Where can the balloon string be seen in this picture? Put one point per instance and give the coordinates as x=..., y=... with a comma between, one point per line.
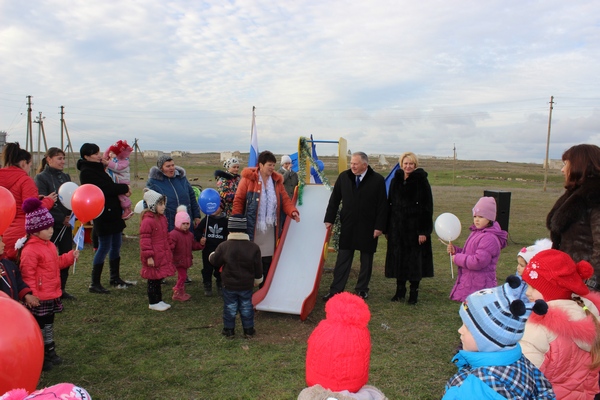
x=440, y=239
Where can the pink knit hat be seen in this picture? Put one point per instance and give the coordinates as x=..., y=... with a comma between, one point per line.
x=339, y=349
x=182, y=216
x=37, y=217
x=60, y=391
x=486, y=208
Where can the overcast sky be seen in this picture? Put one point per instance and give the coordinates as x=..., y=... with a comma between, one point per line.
x=389, y=76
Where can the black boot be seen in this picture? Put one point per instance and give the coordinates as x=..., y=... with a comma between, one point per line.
x=50, y=354
x=249, y=332
x=229, y=333
x=115, y=277
x=208, y=292
x=414, y=292
x=400, y=291
x=64, y=274
x=95, y=286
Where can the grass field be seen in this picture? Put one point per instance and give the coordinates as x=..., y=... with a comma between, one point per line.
x=117, y=349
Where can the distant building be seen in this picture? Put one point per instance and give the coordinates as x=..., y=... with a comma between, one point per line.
x=382, y=161
x=553, y=164
x=177, y=153
x=226, y=155
x=153, y=153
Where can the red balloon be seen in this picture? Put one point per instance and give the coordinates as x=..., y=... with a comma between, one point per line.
x=21, y=347
x=8, y=209
x=87, y=202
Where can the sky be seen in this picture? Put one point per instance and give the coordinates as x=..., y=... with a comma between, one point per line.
x=388, y=76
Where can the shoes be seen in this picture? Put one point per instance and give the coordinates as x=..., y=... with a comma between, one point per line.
x=229, y=333
x=249, y=332
x=67, y=296
x=328, y=296
x=208, y=292
x=98, y=289
x=180, y=295
x=188, y=280
x=121, y=284
x=127, y=213
x=54, y=358
x=47, y=366
x=362, y=294
x=160, y=306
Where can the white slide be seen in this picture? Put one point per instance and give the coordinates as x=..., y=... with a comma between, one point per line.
x=298, y=260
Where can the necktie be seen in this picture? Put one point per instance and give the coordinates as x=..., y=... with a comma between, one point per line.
x=357, y=180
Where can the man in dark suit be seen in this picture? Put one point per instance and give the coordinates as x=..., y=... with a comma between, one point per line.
x=363, y=217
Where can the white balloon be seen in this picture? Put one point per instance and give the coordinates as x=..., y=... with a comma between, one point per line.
x=65, y=193
x=447, y=226
x=139, y=207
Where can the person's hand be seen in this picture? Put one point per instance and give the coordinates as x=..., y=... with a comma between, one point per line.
x=151, y=262
x=31, y=300
x=422, y=239
x=196, y=222
x=76, y=254
x=296, y=216
x=67, y=220
x=104, y=161
x=203, y=241
x=52, y=195
x=128, y=194
x=450, y=249
x=328, y=225
x=376, y=233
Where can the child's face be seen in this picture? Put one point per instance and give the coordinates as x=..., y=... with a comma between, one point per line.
x=160, y=207
x=1, y=246
x=533, y=294
x=46, y=234
x=218, y=212
x=480, y=222
x=521, y=264
x=185, y=226
x=467, y=339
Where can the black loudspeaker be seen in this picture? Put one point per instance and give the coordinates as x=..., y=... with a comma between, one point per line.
x=502, y=206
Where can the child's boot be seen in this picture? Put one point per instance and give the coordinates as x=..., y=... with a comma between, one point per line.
x=127, y=213
x=229, y=333
x=208, y=290
x=185, y=295
x=249, y=332
x=50, y=354
x=178, y=295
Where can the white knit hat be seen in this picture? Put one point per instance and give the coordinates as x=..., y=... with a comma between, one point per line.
x=151, y=198
x=527, y=253
x=285, y=159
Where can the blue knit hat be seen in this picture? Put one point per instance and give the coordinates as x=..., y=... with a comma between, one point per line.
x=496, y=317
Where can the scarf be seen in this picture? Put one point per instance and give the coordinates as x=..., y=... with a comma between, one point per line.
x=267, y=206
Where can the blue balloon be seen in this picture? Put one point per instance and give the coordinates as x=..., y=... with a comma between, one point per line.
x=209, y=201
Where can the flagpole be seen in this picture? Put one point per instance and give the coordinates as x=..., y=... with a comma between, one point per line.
x=253, y=154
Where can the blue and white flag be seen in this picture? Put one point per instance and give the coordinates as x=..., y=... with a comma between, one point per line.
x=253, y=157
x=72, y=221
x=388, y=179
x=79, y=238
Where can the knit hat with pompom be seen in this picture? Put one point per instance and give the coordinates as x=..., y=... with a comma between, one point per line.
x=37, y=217
x=182, y=216
x=339, y=349
x=527, y=253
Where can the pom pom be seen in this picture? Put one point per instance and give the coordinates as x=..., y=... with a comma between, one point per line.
x=585, y=269
x=31, y=204
x=513, y=281
x=517, y=308
x=348, y=308
x=540, y=307
x=182, y=208
x=15, y=394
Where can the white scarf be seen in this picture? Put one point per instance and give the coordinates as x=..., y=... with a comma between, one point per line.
x=267, y=206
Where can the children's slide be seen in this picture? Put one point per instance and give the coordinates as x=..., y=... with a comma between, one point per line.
x=293, y=281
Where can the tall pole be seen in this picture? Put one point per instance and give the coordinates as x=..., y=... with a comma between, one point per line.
x=29, y=137
x=454, y=165
x=548, y=143
x=62, y=131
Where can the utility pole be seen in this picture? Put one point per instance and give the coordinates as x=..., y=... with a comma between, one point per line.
x=29, y=134
x=62, y=123
x=41, y=134
x=454, y=165
x=548, y=142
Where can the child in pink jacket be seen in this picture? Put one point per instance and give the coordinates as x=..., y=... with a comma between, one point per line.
x=40, y=268
x=183, y=244
x=117, y=156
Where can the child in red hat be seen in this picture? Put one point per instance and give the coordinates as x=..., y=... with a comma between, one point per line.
x=565, y=343
x=117, y=157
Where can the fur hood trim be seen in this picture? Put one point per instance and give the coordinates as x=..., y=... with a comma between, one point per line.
x=225, y=175
x=156, y=173
x=580, y=199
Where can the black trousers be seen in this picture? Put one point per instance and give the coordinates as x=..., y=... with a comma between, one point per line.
x=343, y=266
x=154, y=291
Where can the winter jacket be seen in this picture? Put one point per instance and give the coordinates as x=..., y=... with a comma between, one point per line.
x=290, y=180
x=477, y=261
x=48, y=181
x=559, y=344
x=364, y=209
x=574, y=224
x=247, y=198
x=410, y=215
x=40, y=267
x=183, y=245
x=497, y=375
x=110, y=221
x=178, y=192
x=240, y=261
x=227, y=184
x=22, y=187
x=16, y=288
x=155, y=242
x=118, y=168
x=214, y=228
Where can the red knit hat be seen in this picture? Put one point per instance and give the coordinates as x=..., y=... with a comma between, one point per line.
x=37, y=217
x=339, y=349
x=556, y=276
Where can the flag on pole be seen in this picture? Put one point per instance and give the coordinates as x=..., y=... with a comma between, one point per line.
x=72, y=220
x=79, y=238
x=388, y=179
x=253, y=157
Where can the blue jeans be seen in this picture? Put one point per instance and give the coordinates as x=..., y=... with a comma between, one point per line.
x=234, y=301
x=108, y=245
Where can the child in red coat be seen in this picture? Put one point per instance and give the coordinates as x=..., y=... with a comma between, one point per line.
x=183, y=244
x=40, y=267
x=155, y=248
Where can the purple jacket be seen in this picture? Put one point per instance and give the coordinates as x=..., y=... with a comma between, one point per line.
x=477, y=261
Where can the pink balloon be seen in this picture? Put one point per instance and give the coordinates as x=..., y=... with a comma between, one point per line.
x=8, y=209
x=87, y=202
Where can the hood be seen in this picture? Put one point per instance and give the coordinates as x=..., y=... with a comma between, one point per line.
x=495, y=230
x=156, y=173
x=251, y=173
x=10, y=175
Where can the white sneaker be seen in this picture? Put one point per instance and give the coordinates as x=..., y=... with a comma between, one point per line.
x=159, y=306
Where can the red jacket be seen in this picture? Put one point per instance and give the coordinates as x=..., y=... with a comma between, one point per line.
x=183, y=244
x=41, y=265
x=156, y=243
x=22, y=187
